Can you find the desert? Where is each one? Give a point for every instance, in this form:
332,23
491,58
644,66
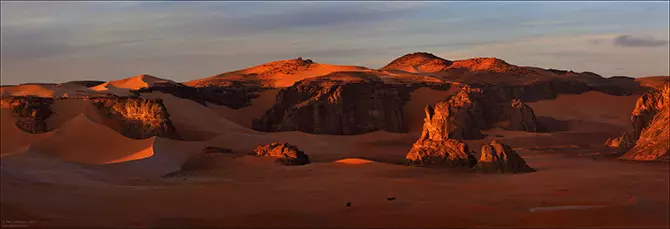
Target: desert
483,158
216,114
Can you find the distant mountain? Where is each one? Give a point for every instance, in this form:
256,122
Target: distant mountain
281,73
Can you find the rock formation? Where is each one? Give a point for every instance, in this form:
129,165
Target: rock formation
435,147
136,117
521,117
339,103
31,112
499,158
460,117
285,153
650,136
469,111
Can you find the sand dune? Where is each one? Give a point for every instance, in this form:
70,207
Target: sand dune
122,87
28,89
244,116
84,141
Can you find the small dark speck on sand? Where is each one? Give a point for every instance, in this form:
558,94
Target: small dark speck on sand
390,198
348,204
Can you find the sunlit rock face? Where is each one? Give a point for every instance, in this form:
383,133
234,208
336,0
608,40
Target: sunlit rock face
285,153
31,112
499,158
136,117
465,114
435,147
650,136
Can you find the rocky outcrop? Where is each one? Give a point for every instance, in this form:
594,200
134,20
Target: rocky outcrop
650,136
521,117
339,103
448,153
465,114
499,158
435,147
31,112
285,153
460,117
137,117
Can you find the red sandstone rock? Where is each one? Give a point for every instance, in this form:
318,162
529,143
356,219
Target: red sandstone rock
500,158
285,153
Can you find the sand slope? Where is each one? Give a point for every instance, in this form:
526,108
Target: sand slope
192,120
28,89
589,106
84,141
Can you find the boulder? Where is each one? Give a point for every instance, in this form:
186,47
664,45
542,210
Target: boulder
448,153
285,153
499,158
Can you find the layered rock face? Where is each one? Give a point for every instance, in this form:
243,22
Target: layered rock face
285,153
469,111
650,136
31,112
339,103
499,158
233,95
136,117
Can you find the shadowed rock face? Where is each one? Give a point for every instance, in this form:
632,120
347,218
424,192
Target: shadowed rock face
285,153
31,112
232,95
340,103
521,117
499,158
136,117
650,137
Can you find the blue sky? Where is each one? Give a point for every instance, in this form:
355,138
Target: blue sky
62,41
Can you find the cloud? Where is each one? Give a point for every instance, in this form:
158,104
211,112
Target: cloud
630,41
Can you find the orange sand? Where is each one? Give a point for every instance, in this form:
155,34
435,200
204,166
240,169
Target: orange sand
82,140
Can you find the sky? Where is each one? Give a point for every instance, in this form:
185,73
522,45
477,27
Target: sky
61,41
